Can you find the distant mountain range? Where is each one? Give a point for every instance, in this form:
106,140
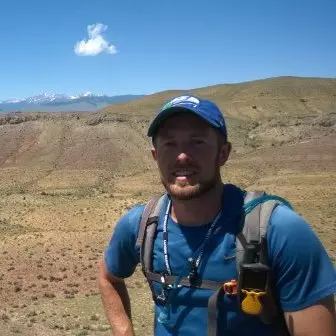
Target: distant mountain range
63,103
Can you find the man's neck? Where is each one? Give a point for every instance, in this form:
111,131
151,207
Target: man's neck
198,211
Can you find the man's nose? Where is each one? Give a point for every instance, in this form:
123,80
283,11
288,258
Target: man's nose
183,154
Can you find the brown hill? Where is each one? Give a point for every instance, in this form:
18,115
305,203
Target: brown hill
112,142
267,112
293,96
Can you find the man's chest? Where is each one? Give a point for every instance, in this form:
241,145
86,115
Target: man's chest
216,260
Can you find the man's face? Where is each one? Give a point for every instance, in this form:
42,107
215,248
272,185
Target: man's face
189,155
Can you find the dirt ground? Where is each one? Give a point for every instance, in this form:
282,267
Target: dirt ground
54,229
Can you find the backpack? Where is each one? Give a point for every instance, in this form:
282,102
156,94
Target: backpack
251,256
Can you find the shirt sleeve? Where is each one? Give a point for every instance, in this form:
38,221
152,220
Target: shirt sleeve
303,271
121,255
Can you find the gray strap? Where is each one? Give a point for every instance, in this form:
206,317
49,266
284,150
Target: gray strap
254,227
255,230
149,234
256,222
157,210
240,248
213,312
144,218
251,228
265,214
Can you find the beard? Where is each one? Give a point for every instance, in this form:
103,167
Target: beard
191,191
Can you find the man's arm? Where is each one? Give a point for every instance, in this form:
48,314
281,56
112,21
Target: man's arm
318,319
116,302
305,275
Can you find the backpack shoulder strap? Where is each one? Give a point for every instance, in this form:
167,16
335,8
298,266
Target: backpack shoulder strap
252,231
255,222
144,218
147,231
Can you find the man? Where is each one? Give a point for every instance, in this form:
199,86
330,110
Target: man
190,145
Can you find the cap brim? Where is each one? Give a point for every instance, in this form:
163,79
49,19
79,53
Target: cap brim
165,114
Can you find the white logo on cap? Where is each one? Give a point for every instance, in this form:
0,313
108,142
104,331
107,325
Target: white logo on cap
183,100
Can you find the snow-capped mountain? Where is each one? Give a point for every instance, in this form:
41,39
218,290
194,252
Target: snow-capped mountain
46,98
11,101
89,94
51,102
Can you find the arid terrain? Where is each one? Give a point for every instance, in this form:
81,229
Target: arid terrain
66,178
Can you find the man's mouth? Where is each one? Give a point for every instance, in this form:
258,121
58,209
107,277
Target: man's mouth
182,175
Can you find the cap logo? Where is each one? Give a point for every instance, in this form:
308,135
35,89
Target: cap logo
182,100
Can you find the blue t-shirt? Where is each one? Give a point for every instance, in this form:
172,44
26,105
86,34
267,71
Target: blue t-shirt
302,269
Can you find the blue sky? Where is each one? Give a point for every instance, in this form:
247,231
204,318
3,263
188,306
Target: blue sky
150,46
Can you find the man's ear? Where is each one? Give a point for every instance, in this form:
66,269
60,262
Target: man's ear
154,153
224,153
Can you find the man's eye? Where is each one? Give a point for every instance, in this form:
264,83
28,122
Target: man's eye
169,144
198,142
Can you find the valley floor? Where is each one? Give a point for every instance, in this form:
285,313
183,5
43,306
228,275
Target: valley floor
54,231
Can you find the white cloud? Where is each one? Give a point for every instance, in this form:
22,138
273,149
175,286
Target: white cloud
96,43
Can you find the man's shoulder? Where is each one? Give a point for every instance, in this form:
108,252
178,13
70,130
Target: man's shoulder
127,226
136,210
304,272
289,234
133,214
286,219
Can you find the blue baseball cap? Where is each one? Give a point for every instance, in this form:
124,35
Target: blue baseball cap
203,108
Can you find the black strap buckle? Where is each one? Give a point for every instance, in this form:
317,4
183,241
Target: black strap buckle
193,274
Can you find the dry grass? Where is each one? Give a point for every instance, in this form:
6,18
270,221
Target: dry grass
51,243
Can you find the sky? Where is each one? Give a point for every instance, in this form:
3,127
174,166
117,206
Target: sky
119,47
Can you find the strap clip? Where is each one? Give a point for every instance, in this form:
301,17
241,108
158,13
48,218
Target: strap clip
163,296
231,287
163,279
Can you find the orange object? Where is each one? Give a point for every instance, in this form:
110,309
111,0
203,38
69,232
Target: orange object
231,287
